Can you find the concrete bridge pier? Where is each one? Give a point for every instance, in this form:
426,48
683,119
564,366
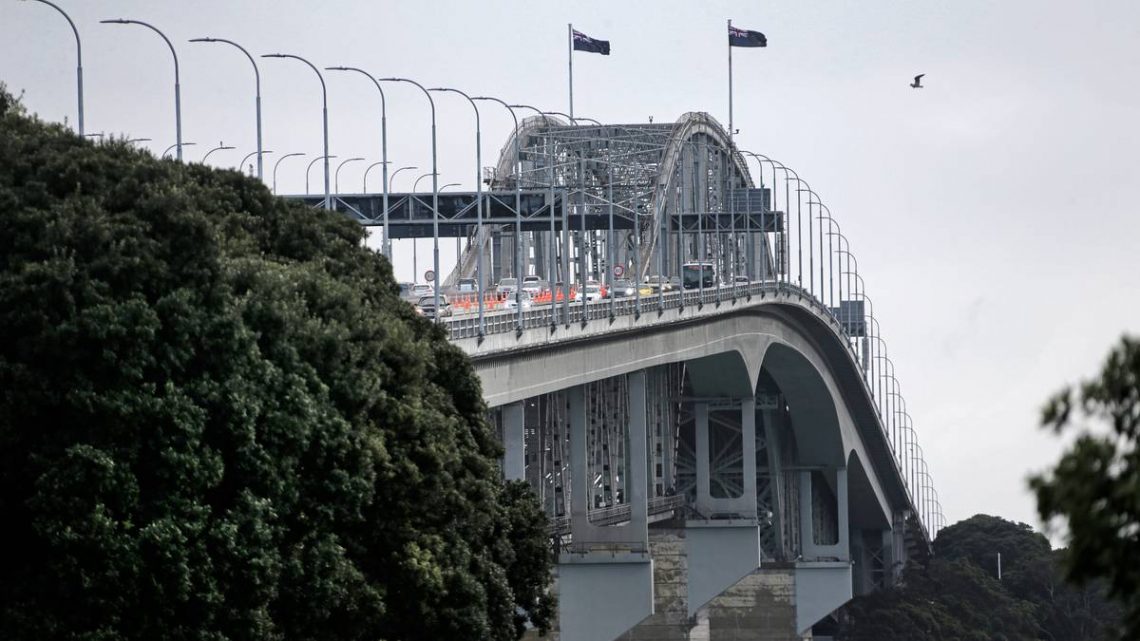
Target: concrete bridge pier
605,579
824,573
725,545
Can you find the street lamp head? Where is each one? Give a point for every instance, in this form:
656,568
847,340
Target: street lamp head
116,21
203,40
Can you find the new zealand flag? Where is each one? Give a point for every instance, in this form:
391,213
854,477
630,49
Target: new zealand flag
746,38
582,42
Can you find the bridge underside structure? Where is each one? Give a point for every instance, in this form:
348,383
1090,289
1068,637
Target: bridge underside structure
730,459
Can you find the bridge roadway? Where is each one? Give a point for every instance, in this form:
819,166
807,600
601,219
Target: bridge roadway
724,344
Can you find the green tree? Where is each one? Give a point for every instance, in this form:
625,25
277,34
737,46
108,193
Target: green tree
1095,487
956,595
980,538
944,601
219,422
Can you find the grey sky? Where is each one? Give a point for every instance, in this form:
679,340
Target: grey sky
991,213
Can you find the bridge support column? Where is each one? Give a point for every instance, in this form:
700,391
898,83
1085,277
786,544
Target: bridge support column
811,550
743,506
514,442
824,576
769,412
605,581
725,546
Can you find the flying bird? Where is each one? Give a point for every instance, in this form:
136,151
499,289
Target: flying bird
917,84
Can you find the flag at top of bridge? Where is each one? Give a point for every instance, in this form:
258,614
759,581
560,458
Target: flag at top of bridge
746,38
582,42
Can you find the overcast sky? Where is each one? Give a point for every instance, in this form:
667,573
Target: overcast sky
992,212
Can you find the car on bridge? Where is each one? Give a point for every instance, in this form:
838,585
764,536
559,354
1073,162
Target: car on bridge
467,286
426,307
419,290
526,301
594,291
621,289
507,286
535,285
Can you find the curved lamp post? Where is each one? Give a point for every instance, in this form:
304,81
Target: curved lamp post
386,246
364,183
551,266
324,121
572,119
308,169
78,58
392,177
839,253
517,168
177,84
278,163
830,249
259,153
434,188
415,190
220,147
416,183
799,241
257,85
478,202
336,180
760,160
174,146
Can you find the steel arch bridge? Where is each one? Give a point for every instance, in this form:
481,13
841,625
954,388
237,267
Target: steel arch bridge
752,417
653,180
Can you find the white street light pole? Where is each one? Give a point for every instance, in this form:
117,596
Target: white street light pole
257,81
276,164
324,120
78,58
386,246
434,187
177,84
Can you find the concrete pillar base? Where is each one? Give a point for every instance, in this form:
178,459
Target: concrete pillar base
601,595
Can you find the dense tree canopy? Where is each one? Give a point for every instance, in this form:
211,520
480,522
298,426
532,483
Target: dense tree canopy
1095,487
956,595
218,421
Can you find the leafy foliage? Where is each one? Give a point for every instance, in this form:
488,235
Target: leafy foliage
957,595
218,421
1095,487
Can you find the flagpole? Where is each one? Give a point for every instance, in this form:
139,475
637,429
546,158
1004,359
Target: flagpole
731,131
570,58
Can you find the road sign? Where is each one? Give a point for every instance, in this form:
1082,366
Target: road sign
618,271
429,276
